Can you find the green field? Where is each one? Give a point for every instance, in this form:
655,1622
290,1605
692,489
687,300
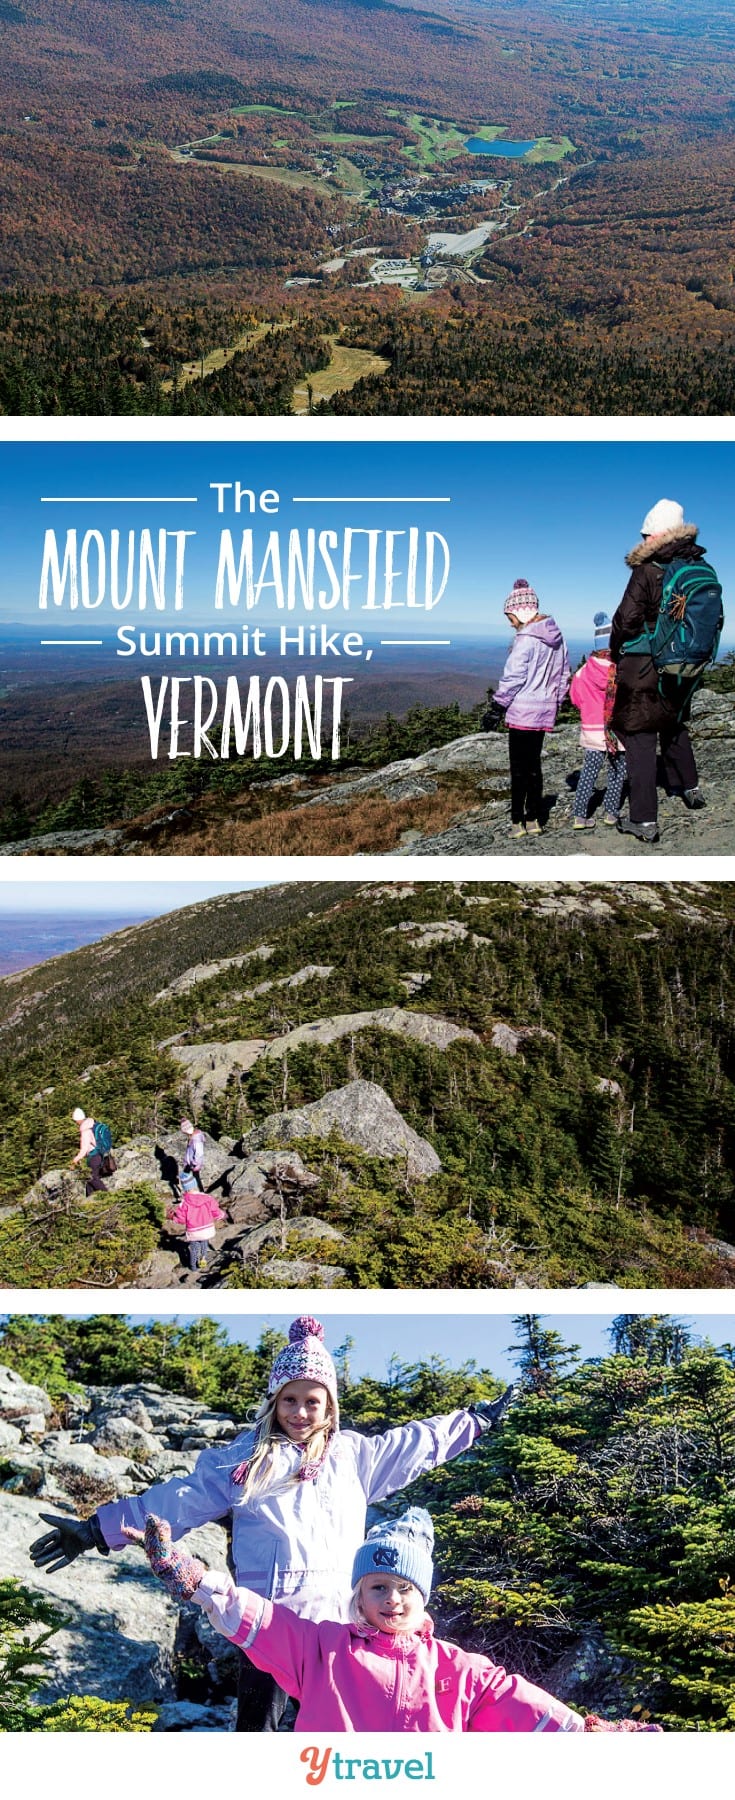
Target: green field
546,150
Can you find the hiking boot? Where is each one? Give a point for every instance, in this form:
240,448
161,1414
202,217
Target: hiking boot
694,799
583,824
533,829
647,831
517,831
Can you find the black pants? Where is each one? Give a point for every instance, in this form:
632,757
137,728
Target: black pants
261,1703
95,1184
526,781
679,767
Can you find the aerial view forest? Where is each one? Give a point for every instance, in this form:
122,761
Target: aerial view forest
588,1543
417,1084
350,206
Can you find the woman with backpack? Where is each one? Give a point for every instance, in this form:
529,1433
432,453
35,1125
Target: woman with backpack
652,705
95,1144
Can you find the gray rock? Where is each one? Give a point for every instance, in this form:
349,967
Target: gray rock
20,1399
364,1115
423,1028
159,1270
301,1273
205,971
414,980
186,1715
10,1435
424,934
120,1631
122,1437
725,1252
253,1177
84,842
305,1228
511,1038
208,1067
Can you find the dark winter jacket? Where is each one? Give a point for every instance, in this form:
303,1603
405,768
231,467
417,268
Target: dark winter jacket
640,705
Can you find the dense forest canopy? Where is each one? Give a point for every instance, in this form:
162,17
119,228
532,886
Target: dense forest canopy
178,179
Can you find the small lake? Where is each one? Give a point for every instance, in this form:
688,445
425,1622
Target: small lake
498,147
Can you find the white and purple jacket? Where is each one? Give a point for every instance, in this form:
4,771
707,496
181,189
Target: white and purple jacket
535,678
348,1678
297,1540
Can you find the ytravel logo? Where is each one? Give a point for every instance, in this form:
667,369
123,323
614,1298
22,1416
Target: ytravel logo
323,1761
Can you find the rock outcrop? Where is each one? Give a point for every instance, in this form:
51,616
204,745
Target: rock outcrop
121,1636
363,1115
210,1066
204,971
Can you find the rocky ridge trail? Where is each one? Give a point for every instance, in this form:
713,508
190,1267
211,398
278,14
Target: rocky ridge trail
477,768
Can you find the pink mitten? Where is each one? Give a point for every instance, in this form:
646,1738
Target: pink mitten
179,1573
593,1722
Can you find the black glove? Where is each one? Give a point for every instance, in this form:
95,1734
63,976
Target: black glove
494,717
68,1540
490,1413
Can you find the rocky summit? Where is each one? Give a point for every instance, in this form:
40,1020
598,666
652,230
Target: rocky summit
453,799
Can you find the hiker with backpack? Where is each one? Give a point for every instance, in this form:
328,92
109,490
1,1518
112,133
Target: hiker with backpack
665,633
95,1146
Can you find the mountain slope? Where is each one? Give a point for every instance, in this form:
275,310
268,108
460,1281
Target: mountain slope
422,1084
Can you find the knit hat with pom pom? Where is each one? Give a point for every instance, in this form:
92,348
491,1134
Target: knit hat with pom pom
522,601
305,1358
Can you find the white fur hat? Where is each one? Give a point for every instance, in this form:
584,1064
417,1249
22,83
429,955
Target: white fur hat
666,515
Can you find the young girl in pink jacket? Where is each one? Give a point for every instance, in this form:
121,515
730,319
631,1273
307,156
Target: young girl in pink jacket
385,1671
592,691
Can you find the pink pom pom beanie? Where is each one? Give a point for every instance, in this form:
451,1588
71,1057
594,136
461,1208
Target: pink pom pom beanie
522,602
305,1358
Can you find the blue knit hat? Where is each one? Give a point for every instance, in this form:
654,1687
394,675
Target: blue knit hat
399,1547
603,627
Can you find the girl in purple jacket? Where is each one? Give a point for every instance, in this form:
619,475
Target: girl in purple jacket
296,1489
532,686
384,1670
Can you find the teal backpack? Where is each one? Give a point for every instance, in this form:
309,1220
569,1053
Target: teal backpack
686,636
102,1138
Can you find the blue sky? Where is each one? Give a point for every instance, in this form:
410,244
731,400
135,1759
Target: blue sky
457,1337
562,515
113,899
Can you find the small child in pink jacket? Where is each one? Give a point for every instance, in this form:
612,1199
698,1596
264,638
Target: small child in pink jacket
385,1671
198,1214
592,692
